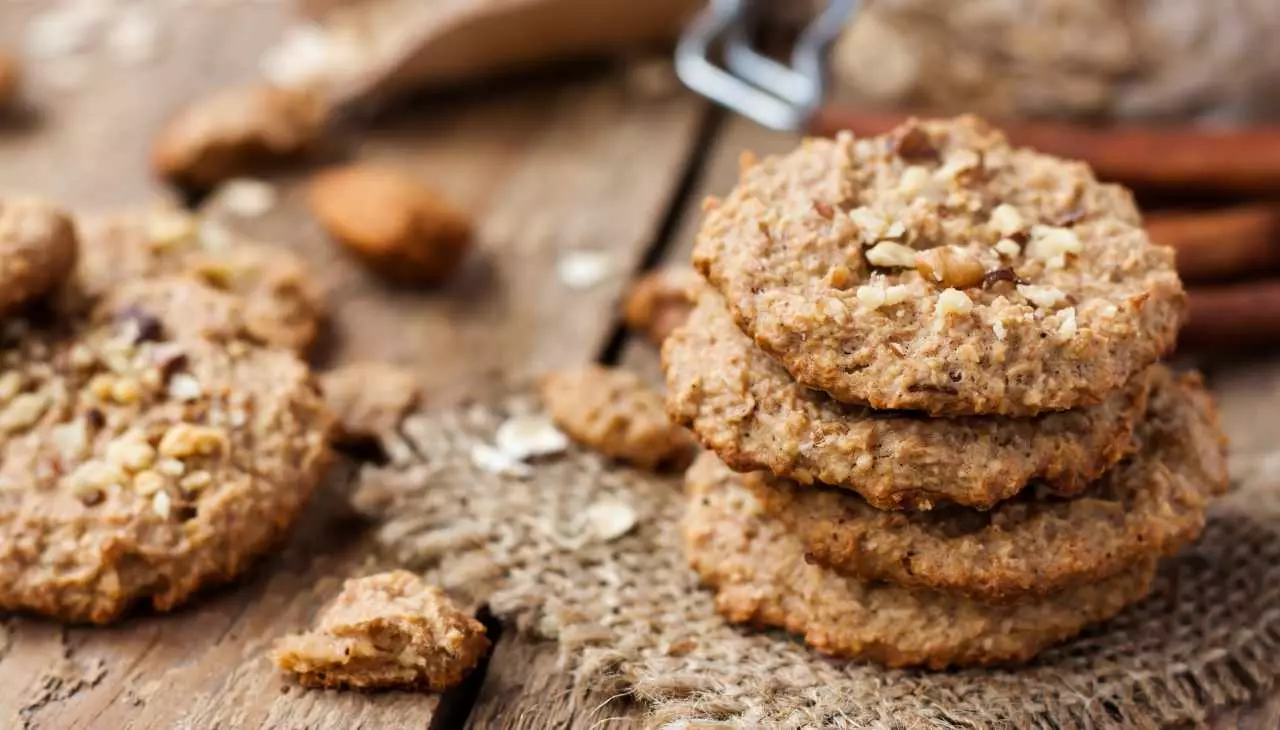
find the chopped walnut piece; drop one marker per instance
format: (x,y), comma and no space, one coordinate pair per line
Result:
(1044,297)
(1052,245)
(660,301)
(614,412)
(401,229)
(949,267)
(892,255)
(953,301)
(1006,220)
(383,631)
(236,132)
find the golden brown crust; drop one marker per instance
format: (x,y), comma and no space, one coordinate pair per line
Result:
(744,406)
(369,399)
(404,231)
(141,461)
(830,259)
(660,301)
(386,631)
(236,132)
(615,413)
(1149,506)
(762,578)
(281,303)
(38,250)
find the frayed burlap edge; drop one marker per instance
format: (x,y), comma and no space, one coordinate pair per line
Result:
(588,553)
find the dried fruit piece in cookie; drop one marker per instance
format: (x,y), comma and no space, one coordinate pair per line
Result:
(743,405)
(385,631)
(282,302)
(660,302)
(369,398)
(936,268)
(404,231)
(1149,506)
(761,577)
(615,413)
(38,249)
(141,463)
(236,132)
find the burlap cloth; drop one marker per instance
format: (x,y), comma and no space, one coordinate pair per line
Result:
(545,553)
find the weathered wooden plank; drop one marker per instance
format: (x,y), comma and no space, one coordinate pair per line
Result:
(85,136)
(546,171)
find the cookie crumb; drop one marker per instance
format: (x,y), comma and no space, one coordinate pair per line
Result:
(235,132)
(404,231)
(389,630)
(369,399)
(615,413)
(660,301)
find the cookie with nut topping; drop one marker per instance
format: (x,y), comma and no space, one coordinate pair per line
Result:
(937,268)
(282,302)
(141,460)
(744,406)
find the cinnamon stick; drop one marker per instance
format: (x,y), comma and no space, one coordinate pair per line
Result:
(1241,160)
(1236,315)
(1234,242)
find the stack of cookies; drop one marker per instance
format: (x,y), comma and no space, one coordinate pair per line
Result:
(926,369)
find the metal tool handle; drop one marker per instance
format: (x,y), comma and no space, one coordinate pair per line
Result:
(776,95)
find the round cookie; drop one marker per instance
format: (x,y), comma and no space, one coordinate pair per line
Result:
(745,407)
(38,250)
(282,304)
(140,461)
(936,268)
(761,577)
(1151,505)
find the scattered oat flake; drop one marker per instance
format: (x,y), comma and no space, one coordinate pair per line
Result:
(496,461)
(583,269)
(134,37)
(62,32)
(248,198)
(610,519)
(522,437)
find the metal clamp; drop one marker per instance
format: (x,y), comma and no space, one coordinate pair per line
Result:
(776,95)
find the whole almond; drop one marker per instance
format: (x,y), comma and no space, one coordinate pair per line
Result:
(236,132)
(404,231)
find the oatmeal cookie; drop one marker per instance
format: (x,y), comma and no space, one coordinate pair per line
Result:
(1151,505)
(38,249)
(139,461)
(744,406)
(369,398)
(615,413)
(282,303)
(383,631)
(936,268)
(761,577)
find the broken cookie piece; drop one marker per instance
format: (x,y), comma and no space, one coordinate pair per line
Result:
(38,250)
(389,630)
(660,301)
(615,413)
(404,231)
(236,132)
(369,399)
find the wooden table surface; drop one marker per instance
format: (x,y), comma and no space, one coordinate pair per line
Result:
(597,160)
